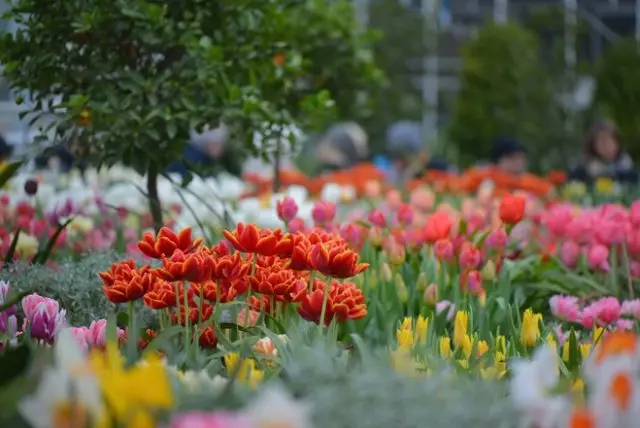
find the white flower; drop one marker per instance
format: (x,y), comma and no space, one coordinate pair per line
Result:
(530,386)
(68,383)
(274,407)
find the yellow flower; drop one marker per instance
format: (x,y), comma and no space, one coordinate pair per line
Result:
(27,245)
(585,350)
(445,348)
(482,348)
(551,340)
(566,351)
(131,393)
(578,386)
(467,346)
(598,334)
(460,326)
(402,362)
(81,224)
(464,363)
(530,329)
(604,185)
(405,339)
(574,189)
(407,324)
(244,370)
(422,327)
(501,344)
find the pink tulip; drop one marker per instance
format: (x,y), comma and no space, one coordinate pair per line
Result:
(323,212)
(565,308)
(634,213)
(404,214)
(422,199)
(43,317)
(557,219)
(209,420)
(598,258)
(631,308)
(496,239)
(354,234)
(470,257)
(623,324)
(287,209)
(377,218)
(82,336)
(570,253)
(297,225)
(605,311)
(474,282)
(443,249)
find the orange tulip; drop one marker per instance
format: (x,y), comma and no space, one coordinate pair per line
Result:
(249,239)
(123,282)
(336,261)
(345,302)
(194,267)
(167,242)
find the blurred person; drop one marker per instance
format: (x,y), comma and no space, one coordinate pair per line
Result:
(509,155)
(267,142)
(209,151)
(6,150)
(343,146)
(603,156)
(409,155)
(57,157)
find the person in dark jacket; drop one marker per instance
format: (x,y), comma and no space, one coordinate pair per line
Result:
(66,160)
(208,153)
(409,155)
(509,155)
(603,156)
(343,146)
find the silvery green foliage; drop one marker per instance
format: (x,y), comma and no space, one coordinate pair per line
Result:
(359,388)
(74,284)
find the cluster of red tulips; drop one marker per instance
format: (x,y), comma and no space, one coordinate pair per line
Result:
(270,269)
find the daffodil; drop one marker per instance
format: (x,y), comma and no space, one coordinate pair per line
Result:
(604,185)
(482,348)
(530,329)
(422,327)
(133,393)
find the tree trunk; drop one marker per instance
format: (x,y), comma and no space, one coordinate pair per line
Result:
(155,206)
(276,167)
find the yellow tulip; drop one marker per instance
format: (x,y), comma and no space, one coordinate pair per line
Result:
(530,329)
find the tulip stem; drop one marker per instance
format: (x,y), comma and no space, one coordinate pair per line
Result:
(325,298)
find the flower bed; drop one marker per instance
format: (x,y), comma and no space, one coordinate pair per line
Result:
(424,309)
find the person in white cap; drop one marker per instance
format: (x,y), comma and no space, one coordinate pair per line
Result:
(343,146)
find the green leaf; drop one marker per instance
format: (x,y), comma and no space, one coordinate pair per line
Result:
(9,171)
(8,258)
(14,362)
(172,130)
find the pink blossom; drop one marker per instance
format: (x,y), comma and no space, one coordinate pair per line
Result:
(297,225)
(422,199)
(354,234)
(209,420)
(561,335)
(98,333)
(443,249)
(631,308)
(404,214)
(474,282)
(287,209)
(623,324)
(605,311)
(470,257)
(496,239)
(82,335)
(570,253)
(323,212)
(377,218)
(557,219)
(43,317)
(598,258)
(565,308)
(634,213)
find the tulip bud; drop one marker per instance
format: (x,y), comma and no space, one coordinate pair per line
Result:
(421,283)
(31,187)
(489,270)
(385,272)
(431,295)
(402,288)
(395,252)
(375,235)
